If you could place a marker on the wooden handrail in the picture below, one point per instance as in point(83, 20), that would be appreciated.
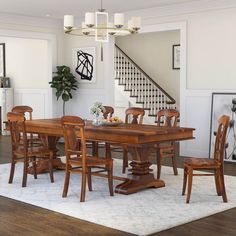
point(148, 77)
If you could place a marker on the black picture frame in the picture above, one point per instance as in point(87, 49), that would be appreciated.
point(176, 57)
point(2, 60)
point(222, 104)
point(6, 82)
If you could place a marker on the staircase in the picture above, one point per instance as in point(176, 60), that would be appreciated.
point(146, 92)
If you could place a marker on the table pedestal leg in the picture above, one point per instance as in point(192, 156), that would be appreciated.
point(140, 176)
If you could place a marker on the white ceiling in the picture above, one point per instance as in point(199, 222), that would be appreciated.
point(57, 8)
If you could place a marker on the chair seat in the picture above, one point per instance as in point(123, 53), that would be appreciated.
point(201, 162)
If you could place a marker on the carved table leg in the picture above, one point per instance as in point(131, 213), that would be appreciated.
point(140, 176)
point(42, 165)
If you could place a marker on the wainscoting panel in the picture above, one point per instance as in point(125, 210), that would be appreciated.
point(38, 99)
point(197, 115)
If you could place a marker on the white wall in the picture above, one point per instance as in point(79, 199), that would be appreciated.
point(38, 50)
point(103, 89)
point(26, 62)
point(210, 60)
point(210, 45)
point(153, 53)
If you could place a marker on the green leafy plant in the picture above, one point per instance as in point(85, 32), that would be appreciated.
point(64, 82)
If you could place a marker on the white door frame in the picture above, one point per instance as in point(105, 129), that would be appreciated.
point(181, 26)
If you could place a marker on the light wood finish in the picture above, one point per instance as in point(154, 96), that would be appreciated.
point(167, 118)
point(216, 164)
point(133, 115)
point(76, 156)
point(24, 151)
point(138, 138)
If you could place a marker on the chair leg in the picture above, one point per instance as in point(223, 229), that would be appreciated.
point(95, 148)
point(190, 180)
point(89, 179)
point(158, 158)
point(174, 165)
point(67, 181)
point(184, 181)
point(50, 165)
point(83, 185)
point(12, 171)
point(34, 167)
point(218, 182)
point(125, 160)
point(25, 172)
point(223, 191)
point(110, 178)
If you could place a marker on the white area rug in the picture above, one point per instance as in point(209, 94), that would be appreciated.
point(141, 213)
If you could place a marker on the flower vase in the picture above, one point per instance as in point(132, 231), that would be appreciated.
point(96, 120)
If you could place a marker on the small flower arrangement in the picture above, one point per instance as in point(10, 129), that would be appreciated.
point(97, 109)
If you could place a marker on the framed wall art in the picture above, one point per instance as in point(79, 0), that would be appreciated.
point(2, 60)
point(176, 57)
point(224, 104)
point(84, 64)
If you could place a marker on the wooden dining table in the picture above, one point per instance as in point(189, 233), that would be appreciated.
point(139, 139)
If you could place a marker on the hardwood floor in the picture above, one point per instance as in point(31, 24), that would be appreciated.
point(17, 218)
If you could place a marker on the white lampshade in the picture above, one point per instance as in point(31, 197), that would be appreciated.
point(136, 22)
point(118, 20)
point(90, 19)
point(68, 21)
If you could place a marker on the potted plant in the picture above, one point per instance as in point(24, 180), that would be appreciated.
point(64, 82)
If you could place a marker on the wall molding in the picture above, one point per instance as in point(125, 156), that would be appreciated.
point(183, 8)
point(52, 57)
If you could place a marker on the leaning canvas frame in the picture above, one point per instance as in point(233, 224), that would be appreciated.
point(2, 60)
point(221, 104)
point(84, 64)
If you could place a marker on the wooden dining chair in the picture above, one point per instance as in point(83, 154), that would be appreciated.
point(28, 113)
point(166, 118)
point(133, 115)
point(216, 164)
point(107, 113)
point(23, 151)
point(77, 158)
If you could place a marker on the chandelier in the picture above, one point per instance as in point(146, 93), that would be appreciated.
point(97, 24)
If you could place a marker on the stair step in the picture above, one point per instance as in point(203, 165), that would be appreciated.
point(138, 85)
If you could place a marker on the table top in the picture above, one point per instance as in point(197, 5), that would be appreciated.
point(123, 133)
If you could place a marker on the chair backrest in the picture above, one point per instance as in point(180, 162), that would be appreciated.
point(108, 112)
point(72, 127)
point(24, 110)
point(16, 123)
point(220, 140)
point(134, 115)
point(167, 117)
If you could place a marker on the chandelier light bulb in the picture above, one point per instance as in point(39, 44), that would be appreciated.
point(89, 19)
point(119, 20)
